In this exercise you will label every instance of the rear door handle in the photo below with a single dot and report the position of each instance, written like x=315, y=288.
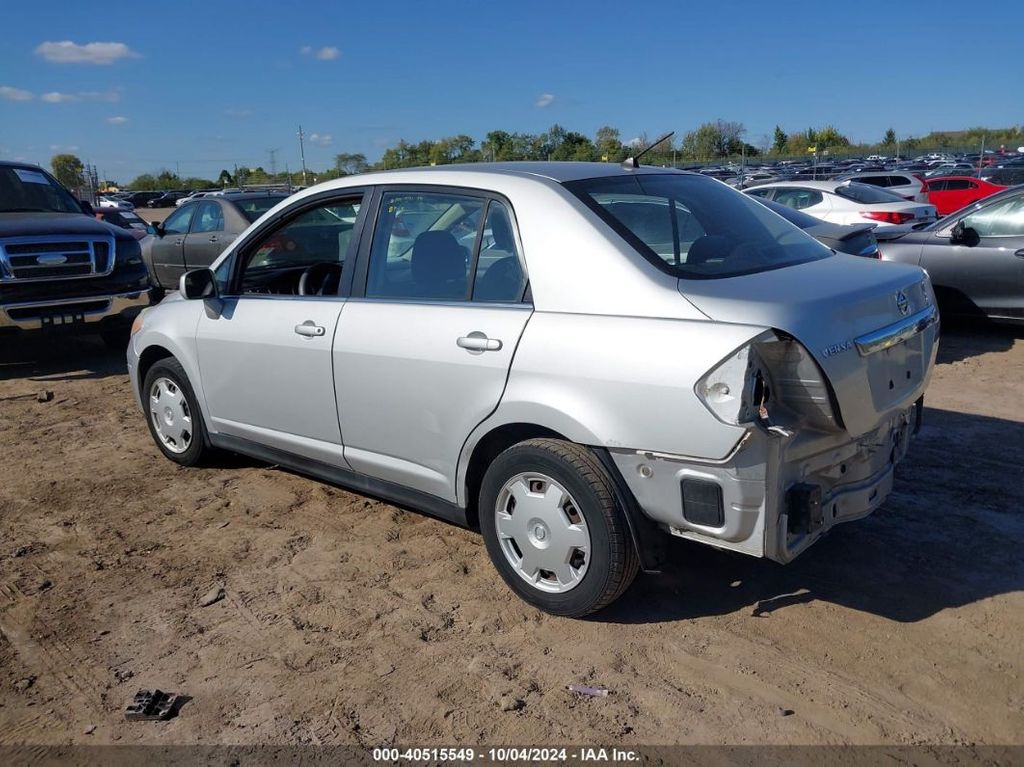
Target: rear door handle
x=213, y=238
x=309, y=329
x=1020, y=253
x=478, y=342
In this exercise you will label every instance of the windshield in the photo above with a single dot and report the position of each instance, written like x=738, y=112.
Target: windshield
x=866, y=193
x=695, y=227
x=29, y=189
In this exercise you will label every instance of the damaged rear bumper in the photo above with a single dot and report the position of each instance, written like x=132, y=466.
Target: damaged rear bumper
x=775, y=494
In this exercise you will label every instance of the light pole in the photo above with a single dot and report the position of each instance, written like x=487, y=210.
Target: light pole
x=302, y=154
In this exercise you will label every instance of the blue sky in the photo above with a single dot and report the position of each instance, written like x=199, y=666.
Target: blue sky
x=197, y=86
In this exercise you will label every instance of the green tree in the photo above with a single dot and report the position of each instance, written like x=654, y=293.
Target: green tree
x=889, y=138
x=68, y=169
x=829, y=137
x=224, y=179
x=780, y=140
x=608, y=144
x=720, y=138
x=348, y=164
x=145, y=183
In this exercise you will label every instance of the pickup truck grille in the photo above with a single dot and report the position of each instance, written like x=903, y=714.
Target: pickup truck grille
x=53, y=258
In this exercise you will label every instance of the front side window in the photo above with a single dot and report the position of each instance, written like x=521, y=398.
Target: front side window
x=179, y=220
x=423, y=245
x=315, y=243
x=1001, y=219
x=694, y=227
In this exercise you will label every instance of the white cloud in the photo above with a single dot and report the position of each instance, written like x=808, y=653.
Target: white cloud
x=118, y=120
x=10, y=93
x=56, y=97
x=63, y=148
x=544, y=100
x=321, y=139
x=67, y=52
x=327, y=53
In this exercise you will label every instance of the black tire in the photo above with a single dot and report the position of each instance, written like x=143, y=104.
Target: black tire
x=613, y=561
x=197, y=450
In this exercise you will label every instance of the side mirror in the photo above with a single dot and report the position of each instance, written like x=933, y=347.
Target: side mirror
x=961, y=234
x=86, y=207
x=198, y=283
x=158, y=228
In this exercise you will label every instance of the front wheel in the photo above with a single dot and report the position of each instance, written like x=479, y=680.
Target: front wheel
x=553, y=528
x=172, y=412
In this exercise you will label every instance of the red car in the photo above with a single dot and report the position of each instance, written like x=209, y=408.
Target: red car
x=950, y=193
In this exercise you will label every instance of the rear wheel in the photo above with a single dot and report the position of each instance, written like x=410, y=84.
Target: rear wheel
x=553, y=528
x=172, y=412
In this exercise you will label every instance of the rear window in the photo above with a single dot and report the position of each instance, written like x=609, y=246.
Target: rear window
x=255, y=207
x=695, y=227
x=866, y=193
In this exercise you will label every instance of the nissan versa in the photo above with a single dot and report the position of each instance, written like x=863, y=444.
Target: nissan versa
x=575, y=358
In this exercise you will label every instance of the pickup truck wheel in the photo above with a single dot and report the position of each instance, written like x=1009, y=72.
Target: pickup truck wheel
x=172, y=413
x=553, y=528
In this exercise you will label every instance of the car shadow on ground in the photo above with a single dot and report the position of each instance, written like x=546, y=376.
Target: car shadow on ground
x=45, y=357
x=950, y=534
x=964, y=338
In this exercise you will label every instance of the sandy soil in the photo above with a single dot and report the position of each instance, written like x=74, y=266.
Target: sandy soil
x=349, y=621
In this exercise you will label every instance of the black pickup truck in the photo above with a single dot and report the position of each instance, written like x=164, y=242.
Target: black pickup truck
x=60, y=268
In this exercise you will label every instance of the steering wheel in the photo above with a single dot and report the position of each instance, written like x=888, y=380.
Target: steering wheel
x=322, y=279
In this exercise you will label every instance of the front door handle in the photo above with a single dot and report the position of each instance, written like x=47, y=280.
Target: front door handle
x=178, y=241
x=1020, y=253
x=309, y=329
x=213, y=238
x=478, y=342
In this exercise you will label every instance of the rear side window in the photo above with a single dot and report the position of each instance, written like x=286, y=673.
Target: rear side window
x=865, y=193
x=694, y=227
x=209, y=218
x=955, y=184
x=499, y=275
x=899, y=181
x=875, y=180
x=254, y=207
x=798, y=199
x=422, y=246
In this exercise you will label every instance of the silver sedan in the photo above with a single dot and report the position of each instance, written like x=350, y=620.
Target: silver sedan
x=576, y=359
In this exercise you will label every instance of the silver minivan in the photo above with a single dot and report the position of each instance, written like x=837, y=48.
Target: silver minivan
x=576, y=359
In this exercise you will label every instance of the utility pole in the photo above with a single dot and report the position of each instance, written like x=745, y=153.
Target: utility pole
x=302, y=154
x=273, y=161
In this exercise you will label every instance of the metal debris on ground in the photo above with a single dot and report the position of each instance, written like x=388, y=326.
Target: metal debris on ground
x=593, y=692
x=148, y=706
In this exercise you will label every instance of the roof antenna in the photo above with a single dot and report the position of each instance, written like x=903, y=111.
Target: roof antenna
x=633, y=162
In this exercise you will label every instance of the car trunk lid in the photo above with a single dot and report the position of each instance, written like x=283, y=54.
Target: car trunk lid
x=869, y=325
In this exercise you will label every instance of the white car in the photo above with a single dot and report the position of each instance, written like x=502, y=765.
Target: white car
x=576, y=358
x=849, y=202
x=190, y=198
x=114, y=202
x=902, y=184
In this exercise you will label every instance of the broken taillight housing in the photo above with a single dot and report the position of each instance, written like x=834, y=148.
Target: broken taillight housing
x=772, y=379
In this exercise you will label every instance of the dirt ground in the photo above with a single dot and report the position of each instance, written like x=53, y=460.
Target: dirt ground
x=349, y=621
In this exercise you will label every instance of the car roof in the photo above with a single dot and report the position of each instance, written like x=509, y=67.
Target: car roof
x=554, y=171
x=825, y=186
x=247, y=195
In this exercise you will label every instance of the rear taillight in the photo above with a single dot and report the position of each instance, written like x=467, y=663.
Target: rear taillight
x=887, y=216
x=924, y=187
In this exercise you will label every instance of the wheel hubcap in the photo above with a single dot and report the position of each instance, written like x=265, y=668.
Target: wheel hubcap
x=172, y=418
x=542, y=533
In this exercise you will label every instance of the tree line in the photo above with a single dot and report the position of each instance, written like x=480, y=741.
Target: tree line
x=712, y=141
